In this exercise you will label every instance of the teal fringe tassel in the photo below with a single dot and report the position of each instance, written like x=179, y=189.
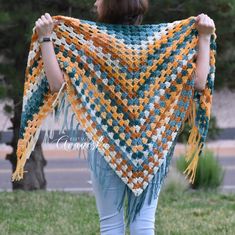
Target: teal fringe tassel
x=99, y=167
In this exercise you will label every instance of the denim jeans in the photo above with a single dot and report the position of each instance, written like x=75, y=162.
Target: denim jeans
x=111, y=219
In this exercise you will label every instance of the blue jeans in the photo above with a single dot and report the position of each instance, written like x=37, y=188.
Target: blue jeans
x=111, y=219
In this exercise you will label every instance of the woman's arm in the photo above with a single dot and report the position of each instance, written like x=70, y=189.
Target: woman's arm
x=202, y=62
x=51, y=66
x=205, y=27
x=44, y=27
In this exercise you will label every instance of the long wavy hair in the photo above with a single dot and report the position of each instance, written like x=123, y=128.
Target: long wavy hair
x=123, y=11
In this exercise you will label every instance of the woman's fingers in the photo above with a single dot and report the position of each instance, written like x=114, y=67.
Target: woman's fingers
x=40, y=22
x=212, y=22
x=204, y=19
x=48, y=17
x=45, y=21
x=44, y=25
x=36, y=24
x=205, y=24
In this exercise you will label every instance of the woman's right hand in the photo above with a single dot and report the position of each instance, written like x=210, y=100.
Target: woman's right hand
x=44, y=25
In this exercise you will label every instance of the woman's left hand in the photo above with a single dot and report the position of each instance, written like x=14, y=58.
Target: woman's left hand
x=205, y=25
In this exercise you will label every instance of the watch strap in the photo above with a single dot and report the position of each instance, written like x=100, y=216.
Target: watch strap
x=45, y=39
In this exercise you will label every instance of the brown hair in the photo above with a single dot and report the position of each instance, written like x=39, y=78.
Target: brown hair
x=122, y=11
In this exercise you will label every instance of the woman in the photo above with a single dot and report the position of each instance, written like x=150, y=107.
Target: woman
x=121, y=12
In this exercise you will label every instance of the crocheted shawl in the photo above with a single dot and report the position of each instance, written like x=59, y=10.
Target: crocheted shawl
x=130, y=89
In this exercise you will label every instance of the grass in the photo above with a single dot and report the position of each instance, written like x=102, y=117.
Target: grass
x=179, y=213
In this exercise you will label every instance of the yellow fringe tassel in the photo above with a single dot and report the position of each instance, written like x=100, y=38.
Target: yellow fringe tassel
x=192, y=167
x=193, y=146
x=19, y=172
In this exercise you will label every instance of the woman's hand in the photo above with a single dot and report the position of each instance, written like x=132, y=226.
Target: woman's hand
x=44, y=25
x=205, y=25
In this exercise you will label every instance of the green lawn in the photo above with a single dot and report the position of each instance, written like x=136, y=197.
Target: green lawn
x=64, y=213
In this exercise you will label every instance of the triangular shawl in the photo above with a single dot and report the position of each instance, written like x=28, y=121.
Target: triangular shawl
x=131, y=89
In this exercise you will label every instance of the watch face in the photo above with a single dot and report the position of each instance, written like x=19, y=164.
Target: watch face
x=45, y=39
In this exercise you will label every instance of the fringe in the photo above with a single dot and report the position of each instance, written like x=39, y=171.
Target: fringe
x=54, y=118
x=67, y=124
x=19, y=171
x=194, y=143
x=135, y=203
x=100, y=167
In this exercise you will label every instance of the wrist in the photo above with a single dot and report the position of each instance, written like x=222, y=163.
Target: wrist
x=204, y=36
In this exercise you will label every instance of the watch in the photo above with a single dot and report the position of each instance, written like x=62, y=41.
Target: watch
x=45, y=39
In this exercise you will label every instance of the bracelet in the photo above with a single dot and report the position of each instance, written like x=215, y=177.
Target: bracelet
x=45, y=39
